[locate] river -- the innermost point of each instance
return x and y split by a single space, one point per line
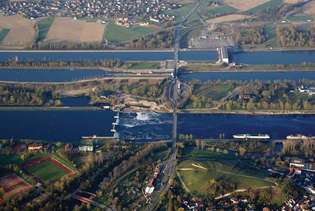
253 58
49 75
201 55
274 57
247 76
70 125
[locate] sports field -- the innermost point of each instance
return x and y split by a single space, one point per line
47 169
196 175
13 185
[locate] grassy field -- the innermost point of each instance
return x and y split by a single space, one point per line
219 166
301 18
269 4
115 33
47 171
3 33
222 10
144 65
63 160
43 27
182 11
215 91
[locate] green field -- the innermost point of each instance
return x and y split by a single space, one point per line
300 18
182 11
263 7
10 159
221 10
43 28
144 65
46 171
219 166
3 33
115 33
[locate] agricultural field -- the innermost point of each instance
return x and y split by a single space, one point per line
13 185
3 33
292 1
203 168
43 27
19 32
116 33
244 5
221 10
310 8
266 5
65 29
48 169
228 18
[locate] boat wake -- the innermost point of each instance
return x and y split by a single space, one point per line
144 125
131 120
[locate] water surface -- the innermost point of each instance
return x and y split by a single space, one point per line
256 75
49 75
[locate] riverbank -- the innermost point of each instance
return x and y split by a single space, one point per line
148 110
243 112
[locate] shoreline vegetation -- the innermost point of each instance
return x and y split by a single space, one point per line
180 111
118 66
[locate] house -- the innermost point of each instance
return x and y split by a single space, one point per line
310 91
34 147
86 148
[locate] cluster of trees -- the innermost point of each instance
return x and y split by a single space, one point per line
205 94
13 95
251 36
292 36
68 45
305 148
162 39
141 88
269 96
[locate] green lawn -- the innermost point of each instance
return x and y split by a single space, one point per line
47 171
43 27
229 169
3 33
115 33
221 10
300 18
182 11
144 65
269 4
58 156
215 91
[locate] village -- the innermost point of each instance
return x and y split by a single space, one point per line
124 12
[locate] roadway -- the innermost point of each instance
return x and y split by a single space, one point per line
170 165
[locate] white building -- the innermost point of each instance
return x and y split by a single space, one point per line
86 148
